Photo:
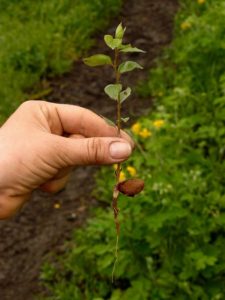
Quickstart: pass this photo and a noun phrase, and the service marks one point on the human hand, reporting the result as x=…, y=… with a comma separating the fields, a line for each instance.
x=40, y=144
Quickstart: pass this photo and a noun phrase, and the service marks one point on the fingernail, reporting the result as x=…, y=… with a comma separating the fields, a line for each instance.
x=120, y=150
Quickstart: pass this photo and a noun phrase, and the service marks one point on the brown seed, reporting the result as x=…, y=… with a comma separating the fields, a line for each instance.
x=131, y=187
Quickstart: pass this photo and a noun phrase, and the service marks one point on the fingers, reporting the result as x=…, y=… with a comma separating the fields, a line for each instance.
x=55, y=185
x=63, y=118
x=9, y=205
x=78, y=120
x=91, y=151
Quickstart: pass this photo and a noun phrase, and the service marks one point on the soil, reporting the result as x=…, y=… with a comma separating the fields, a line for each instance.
x=41, y=228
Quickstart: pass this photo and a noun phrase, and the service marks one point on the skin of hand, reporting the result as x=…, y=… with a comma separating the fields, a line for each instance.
x=40, y=144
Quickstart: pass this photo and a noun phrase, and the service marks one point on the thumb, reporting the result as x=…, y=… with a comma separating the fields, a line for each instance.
x=93, y=151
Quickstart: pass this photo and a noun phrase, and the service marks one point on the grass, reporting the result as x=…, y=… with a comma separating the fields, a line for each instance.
x=43, y=38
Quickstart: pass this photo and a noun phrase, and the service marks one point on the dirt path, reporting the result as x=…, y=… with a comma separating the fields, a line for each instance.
x=40, y=228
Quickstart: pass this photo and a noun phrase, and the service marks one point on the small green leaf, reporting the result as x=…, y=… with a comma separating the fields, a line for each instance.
x=129, y=48
x=98, y=60
x=125, y=120
x=120, y=32
x=109, y=122
x=125, y=94
x=113, y=90
x=129, y=66
x=108, y=40
x=111, y=42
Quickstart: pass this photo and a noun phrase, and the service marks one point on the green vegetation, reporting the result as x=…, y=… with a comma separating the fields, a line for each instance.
x=173, y=235
x=44, y=38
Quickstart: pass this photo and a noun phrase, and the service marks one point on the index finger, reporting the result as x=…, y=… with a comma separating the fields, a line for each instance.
x=79, y=120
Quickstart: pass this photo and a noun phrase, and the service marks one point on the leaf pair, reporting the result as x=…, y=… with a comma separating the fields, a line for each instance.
x=102, y=59
x=112, y=42
x=114, y=91
x=117, y=41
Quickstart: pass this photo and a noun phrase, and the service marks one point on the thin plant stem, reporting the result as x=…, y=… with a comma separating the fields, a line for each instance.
x=118, y=168
x=116, y=257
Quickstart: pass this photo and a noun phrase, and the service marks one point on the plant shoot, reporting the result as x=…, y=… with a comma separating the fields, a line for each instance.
x=117, y=92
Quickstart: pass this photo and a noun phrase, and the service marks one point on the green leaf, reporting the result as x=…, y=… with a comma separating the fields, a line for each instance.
x=125, y=94
x=129, y=48
x=108, y=40
x=129, y=66
x=109, y=122
x=98, y=60
x=125, y=120
x=111, y=42
x=113, y=90
x=120, y=32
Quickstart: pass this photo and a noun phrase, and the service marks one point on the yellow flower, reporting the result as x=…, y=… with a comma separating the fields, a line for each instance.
x=160, y=94
x=136, y=128
x=57, y=205
x=185, y=25
x=122, y=176
x=132, y=171
x=145, y=133
x=115, y=167
x=158, y=123
x=201, y=1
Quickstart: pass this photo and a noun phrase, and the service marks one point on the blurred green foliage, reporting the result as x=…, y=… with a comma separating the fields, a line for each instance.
x=39, y=38
x=173, y=235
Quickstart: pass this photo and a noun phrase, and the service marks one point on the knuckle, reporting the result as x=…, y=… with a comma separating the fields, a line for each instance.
x=95, y=151
x=31, y=103
x=28, y=103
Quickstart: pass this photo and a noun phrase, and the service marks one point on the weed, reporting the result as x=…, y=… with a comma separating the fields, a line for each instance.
x=130, y=187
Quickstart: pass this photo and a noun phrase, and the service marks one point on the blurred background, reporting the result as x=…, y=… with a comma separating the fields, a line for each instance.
x=172, y=240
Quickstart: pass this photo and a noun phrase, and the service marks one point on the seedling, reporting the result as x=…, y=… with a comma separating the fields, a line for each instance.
x=119, y=94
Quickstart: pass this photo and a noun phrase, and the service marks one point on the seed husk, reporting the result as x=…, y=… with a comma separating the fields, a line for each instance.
x=131, y=187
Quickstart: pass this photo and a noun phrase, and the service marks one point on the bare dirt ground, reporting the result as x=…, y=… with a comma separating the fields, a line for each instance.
x=27, y=239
